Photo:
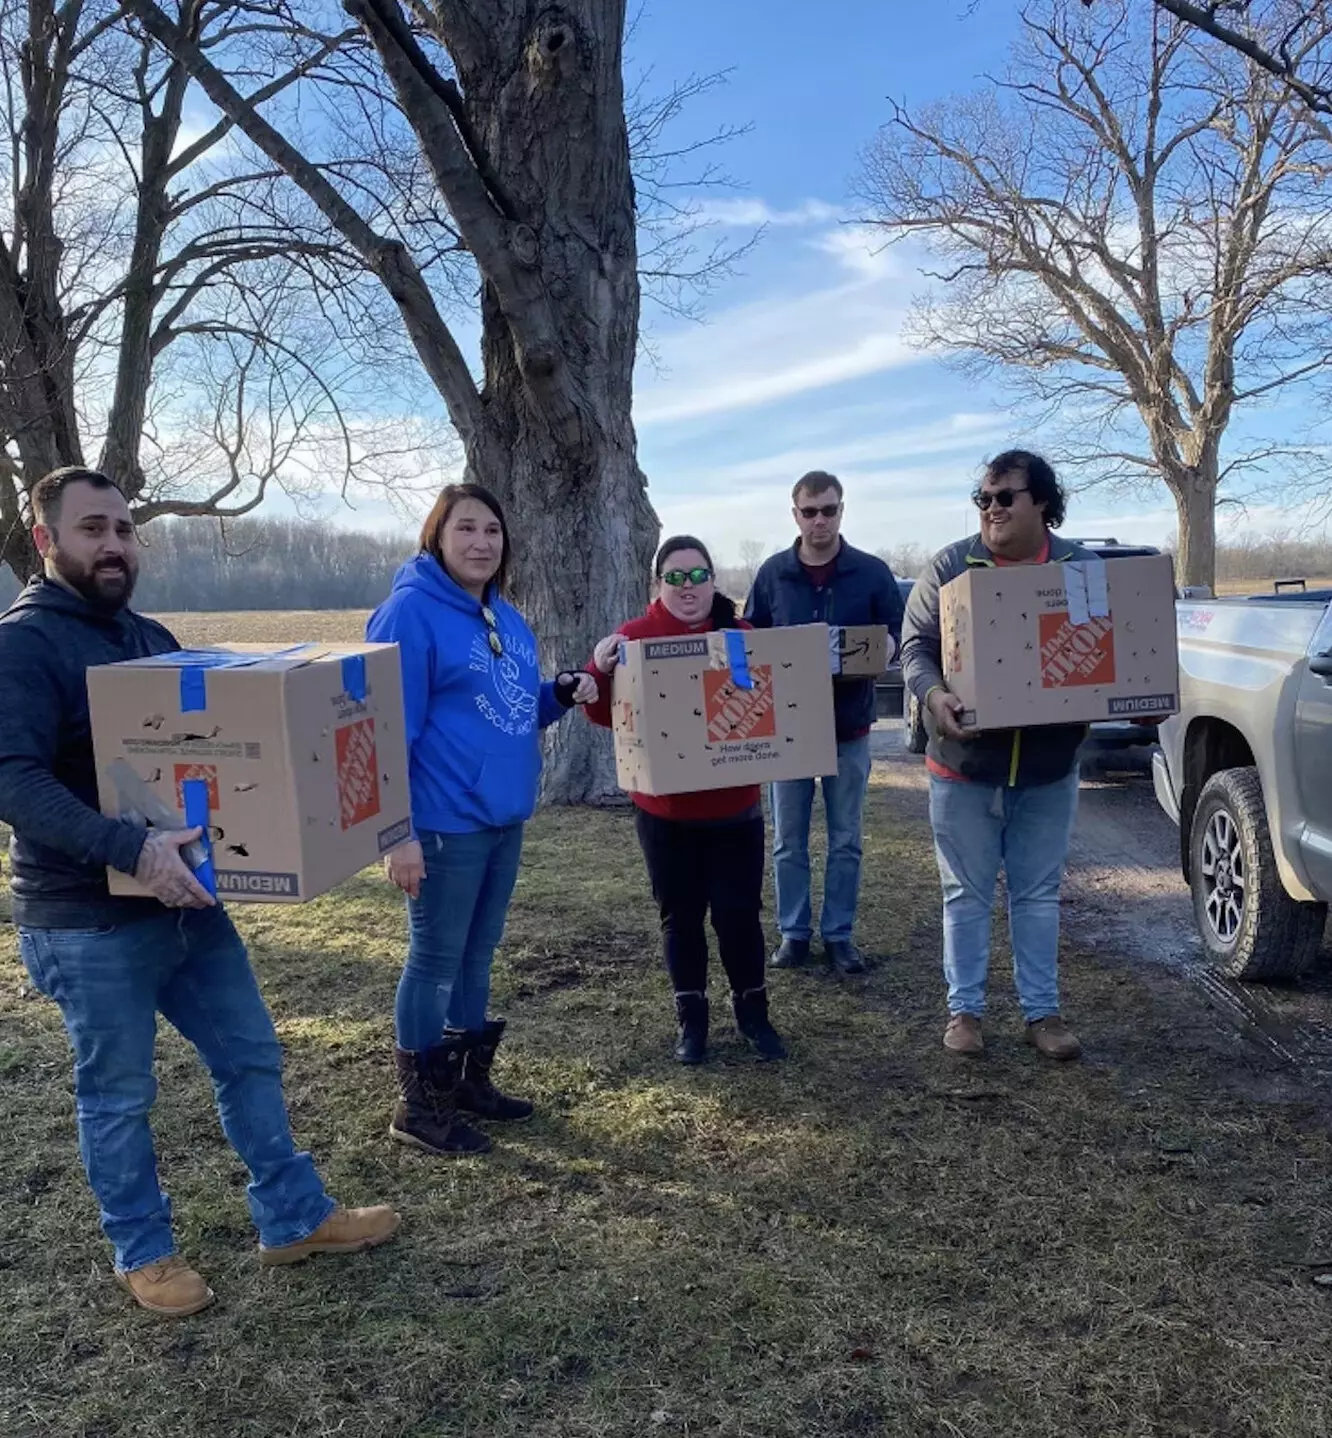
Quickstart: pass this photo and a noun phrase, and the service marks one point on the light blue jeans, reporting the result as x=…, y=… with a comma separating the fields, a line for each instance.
x=977, y=831
x=190, y=966
x=455, y=926
x=792, y=812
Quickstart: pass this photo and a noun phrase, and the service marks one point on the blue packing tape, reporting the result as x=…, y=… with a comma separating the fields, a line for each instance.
x=353, y=676
x=193, y=695
x=738, y=659
x=197, y=816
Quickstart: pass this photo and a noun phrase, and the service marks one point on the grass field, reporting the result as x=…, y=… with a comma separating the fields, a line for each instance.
x=867, y=1240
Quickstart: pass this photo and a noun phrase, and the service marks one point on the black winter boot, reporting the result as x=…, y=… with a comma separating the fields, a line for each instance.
x=476, y=1093
x=751, y=1018
x=692, y=1011
x=427, y=1113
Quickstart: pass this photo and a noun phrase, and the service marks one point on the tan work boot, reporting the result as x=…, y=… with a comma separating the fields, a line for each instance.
x=171, y=1288
x=345, y=1230
x=963, y=1035
x=1053, y=1038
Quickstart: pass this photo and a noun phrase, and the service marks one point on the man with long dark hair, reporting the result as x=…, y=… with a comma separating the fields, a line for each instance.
x=1005, y=798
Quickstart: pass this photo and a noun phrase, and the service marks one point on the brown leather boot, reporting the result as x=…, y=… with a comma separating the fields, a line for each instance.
x=171, y=1288
x=345, y=1230
x=963, y=1035
x=427, y=1113
x=476, y=1093
x=1053, y=1038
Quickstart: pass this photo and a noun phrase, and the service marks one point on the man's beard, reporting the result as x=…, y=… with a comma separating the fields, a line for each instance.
x=106, y=587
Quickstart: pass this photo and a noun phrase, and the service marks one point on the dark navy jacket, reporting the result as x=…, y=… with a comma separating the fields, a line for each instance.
x=61, y=845
x=861, y=590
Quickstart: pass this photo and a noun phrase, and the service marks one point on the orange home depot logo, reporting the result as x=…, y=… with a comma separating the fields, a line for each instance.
x=358, y=772
x=206, y=772
x=1073, y=654
x=734, y=714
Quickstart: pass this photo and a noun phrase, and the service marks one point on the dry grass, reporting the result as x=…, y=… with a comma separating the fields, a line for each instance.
x=867, y=1240
x=1228, y=587
x=267, y=626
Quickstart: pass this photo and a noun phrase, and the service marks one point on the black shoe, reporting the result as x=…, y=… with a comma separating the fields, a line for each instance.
x=844, y=956
x=751, y=1018
x=427, y=1113
x=476, y=1093
x=793, y=954
x=692, y=1011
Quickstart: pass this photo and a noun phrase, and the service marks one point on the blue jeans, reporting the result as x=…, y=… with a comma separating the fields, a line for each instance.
x=455, y=926
x=792, y=810
x=190, y=966
x=978, y=830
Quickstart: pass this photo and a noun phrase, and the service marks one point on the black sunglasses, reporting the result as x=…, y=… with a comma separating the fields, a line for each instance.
x=676, y=577
x=812, y=511
x=1002, y=497
x=492, y=631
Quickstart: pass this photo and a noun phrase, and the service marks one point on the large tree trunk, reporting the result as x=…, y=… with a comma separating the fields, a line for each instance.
x=548, y=109
x=1195, y=502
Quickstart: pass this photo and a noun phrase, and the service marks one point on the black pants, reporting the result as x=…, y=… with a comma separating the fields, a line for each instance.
x=697, y=867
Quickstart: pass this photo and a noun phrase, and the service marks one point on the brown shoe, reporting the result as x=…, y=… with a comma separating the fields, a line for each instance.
x=1053, y=1038
x=345, y=1230
x=171, y=1288
x=963, y=1035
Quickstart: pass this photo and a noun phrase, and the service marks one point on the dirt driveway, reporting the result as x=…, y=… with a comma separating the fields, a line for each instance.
x=1127, y=901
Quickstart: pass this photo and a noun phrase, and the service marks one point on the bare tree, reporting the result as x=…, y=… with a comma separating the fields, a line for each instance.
x=155, y=298
x=1290, y=39
x=752, y=553
x=1133, y=225
x=519, y=113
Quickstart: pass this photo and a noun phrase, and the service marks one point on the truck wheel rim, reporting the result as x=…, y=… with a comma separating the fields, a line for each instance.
x=1223, y=876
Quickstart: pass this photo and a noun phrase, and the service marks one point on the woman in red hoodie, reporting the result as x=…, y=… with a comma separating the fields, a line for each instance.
x=704, y=851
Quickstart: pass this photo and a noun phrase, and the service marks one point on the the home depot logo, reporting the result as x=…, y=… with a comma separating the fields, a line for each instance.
x=624, y=716
x=358, y=772
x=206, y=772
x=1075, y=654
x=734, y=714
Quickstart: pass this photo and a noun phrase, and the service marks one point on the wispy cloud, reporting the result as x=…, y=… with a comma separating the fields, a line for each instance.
x=747, y=214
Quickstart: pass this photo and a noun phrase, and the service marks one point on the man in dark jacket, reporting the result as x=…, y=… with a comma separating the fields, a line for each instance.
x=821, y=579
x=1002, y=798
x=113, y=964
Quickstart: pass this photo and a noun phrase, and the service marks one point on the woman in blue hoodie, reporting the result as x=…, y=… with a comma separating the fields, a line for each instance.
x=475, y=706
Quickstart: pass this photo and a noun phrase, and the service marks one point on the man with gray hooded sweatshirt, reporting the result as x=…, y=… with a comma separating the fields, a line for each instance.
x=1001, y=799
x=113, y=964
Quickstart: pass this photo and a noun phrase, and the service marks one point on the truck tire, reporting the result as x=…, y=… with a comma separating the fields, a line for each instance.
x=917, y=739
x=1250, y=927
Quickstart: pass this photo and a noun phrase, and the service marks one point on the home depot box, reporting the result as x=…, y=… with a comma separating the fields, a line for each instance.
x=717, y=710
x=298, y=757
x=860, y=651
x=1071, y=643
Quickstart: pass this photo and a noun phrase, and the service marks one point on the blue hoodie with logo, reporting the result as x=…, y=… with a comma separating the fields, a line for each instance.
x=473, y=717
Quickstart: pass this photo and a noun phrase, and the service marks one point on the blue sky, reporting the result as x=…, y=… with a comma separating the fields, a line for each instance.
x=800, y=362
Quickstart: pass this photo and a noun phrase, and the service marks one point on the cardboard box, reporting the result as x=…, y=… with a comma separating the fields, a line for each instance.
x=717, y=710
x=294, y=761
x=860, y=651
x=1072, y=643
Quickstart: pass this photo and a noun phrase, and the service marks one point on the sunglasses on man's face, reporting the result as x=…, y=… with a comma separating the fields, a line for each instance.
x=812, y=511
x=492, y=631
x=676, y=577
x=1004, y=498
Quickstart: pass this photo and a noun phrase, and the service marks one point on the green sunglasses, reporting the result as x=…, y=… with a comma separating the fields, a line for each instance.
x=676, y=577
x=492, y=631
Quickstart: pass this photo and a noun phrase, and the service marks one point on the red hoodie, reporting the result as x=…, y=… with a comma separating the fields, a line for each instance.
x=660, y=623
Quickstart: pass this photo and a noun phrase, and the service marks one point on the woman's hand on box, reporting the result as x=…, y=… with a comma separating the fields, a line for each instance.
x=405, y=867
x=607, y=654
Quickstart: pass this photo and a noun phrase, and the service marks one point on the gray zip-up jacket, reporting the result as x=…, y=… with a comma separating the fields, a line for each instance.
x=1014, y=758
x=62, y=845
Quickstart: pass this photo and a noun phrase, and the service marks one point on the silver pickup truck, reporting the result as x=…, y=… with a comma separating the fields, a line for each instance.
x=1245, y=770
